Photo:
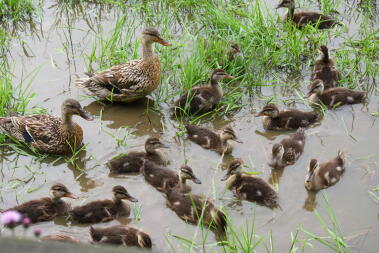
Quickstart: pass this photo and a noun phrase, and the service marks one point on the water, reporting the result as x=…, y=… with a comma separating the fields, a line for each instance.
x=58, y=52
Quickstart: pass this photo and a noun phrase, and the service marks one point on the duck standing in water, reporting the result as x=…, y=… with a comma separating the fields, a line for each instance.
x=202, y=99
x=129, y=81
x=324, y=69
x=288, y=119
x=46, y=133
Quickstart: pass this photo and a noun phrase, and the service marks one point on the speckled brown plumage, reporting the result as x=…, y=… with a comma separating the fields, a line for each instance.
x=48, y=133
x=121, y=235
x=324, y=69
x=129, y=81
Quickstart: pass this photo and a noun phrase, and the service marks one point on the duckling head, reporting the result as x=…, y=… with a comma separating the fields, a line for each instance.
x=72, y=107
x=270, y=110
x=229, y=134
x=317, y=87
x=186, y=173
x=323, y=53
x=286, y=4
x=119, y=193
x=151, y=35
x=234, y=51
x=234, y=167
x=58, y=191
x=219, y=74
x=152, y=144
x=312, y=168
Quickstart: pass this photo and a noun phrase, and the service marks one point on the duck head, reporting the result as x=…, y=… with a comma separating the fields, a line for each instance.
x=219, y=74
x=270, y=110
x=323, y=53
x=234, y=167
x=152, y=144
x=72, y=107
x=58, y=191
x=229, y=134
x=312, y=168
x=186, y=173
x=119, y=193
x=234, y=51
x=151, y=35
x=317, y=87
x=286, y=4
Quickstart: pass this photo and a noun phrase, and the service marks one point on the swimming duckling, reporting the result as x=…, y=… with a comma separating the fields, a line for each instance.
x=334, y=97
x=163, y=179
x=46, y=209
x=202, y=99
x=288, y=150
x=59, y=238
x=288, y=119
x=133, y=161
x=121, y=235
x=249, y=187
x=324, y=175
x=189, y=207
x=208, y=139
x=302, y=18
x=104, y=210
x=324, y=69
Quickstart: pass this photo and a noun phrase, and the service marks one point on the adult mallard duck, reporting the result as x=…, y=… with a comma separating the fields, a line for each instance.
x=46, y=209
x=133, y=161
x=206, y=138
x=334, y=97
x=249, y=187
x=129, y=81
x=302, y=18
x=324, y=69
x=202, y=99
x=104, y=210
x=324, y=175
x=48, y=133
x=121, y=235
x=288, y=119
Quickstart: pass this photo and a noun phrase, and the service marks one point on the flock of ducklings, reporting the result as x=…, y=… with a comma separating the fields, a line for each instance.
x=135, y=79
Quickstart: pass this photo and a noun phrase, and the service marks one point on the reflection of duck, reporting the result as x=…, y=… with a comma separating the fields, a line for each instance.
x=310, y=203
x=129, y=81
x=59, y=238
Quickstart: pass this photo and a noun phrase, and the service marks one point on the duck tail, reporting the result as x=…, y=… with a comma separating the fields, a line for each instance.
x=220, y=220
x=94, y=234
x=341, y=157
x=82, y=82
x=325, y=51
x=144, y=240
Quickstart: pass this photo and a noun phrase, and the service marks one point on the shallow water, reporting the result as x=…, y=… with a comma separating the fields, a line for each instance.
x=58, y=53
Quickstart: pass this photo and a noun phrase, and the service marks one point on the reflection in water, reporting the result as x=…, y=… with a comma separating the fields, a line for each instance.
x=78, y=165
x=310, y=203
x=276, y=174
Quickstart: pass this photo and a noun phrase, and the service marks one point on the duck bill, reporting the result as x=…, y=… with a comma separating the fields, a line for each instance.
x=238, y=140
x=85, y=115
x=259, y=114
x=196, y=180
x=307, y=96
x=164, y=43
x=228, y=77
x=70, y=195
x=131, y=199
x=164, y=145
x=225, y=177
x=279, y=5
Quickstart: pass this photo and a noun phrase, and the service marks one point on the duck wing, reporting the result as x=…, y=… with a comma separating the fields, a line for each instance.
x=38, y=210
x=93, y=212
x=204, y=137
x=308, y=17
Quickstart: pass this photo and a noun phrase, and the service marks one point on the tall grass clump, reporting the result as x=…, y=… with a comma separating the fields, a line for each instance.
x=14, y=11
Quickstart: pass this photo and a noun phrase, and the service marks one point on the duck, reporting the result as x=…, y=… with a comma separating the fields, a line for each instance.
x=334, y=97
x=120, y=235
x=249, y=187
x=234, y=51
x=133, y=161
x=208, y=139
x=202, y=99
x=59, y=238
x=302, y=18
x=129, y=81
x=47, y=133
x=191, y=207
x=104, y=210
x=288, y=119
x=162, y=179
x=324, y=175
x=288, y=151
x=324, y=69
x=48, y=208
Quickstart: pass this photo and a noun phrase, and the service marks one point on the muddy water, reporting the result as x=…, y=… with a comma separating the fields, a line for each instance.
x=58, y=53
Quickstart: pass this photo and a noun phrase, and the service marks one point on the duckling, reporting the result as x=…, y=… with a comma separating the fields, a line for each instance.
x=249, y=187
x=234, y=51
x=324, y=175
x=129, y=81
x=208, y=139
x=202, y=99
x=121, y=235
x=133, y=161
x=46, y=209
x=288, y=150
x=59, y=238
x=104, y=210
x=288, y=119
x=334, y=97
x=48, y=133
x=189, y=207
x=324, y=69
x=162, y=179
x=302, y=18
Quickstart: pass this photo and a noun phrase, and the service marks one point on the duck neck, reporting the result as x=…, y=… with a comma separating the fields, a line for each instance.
x=67, y=120
x=117, y=201
x=182, y=184
x=147, y=50
x=291, y=11
x=215, y=84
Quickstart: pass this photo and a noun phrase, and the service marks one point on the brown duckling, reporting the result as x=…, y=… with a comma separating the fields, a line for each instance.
x=46, y=209
x=48, y=133
x=121, y=235
x=104, y=210
x=59, y=238
x=324, y=69
x=302, y=18
x=334, y=97
x=163, y=179
x=288, y=150
x=133, y=161
x=129, y=81
x=288, y=119
x=249, y=187
x=207, y=139
x=234, y=51
x=189, y=207
x=202, y=99
x=324, y=175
